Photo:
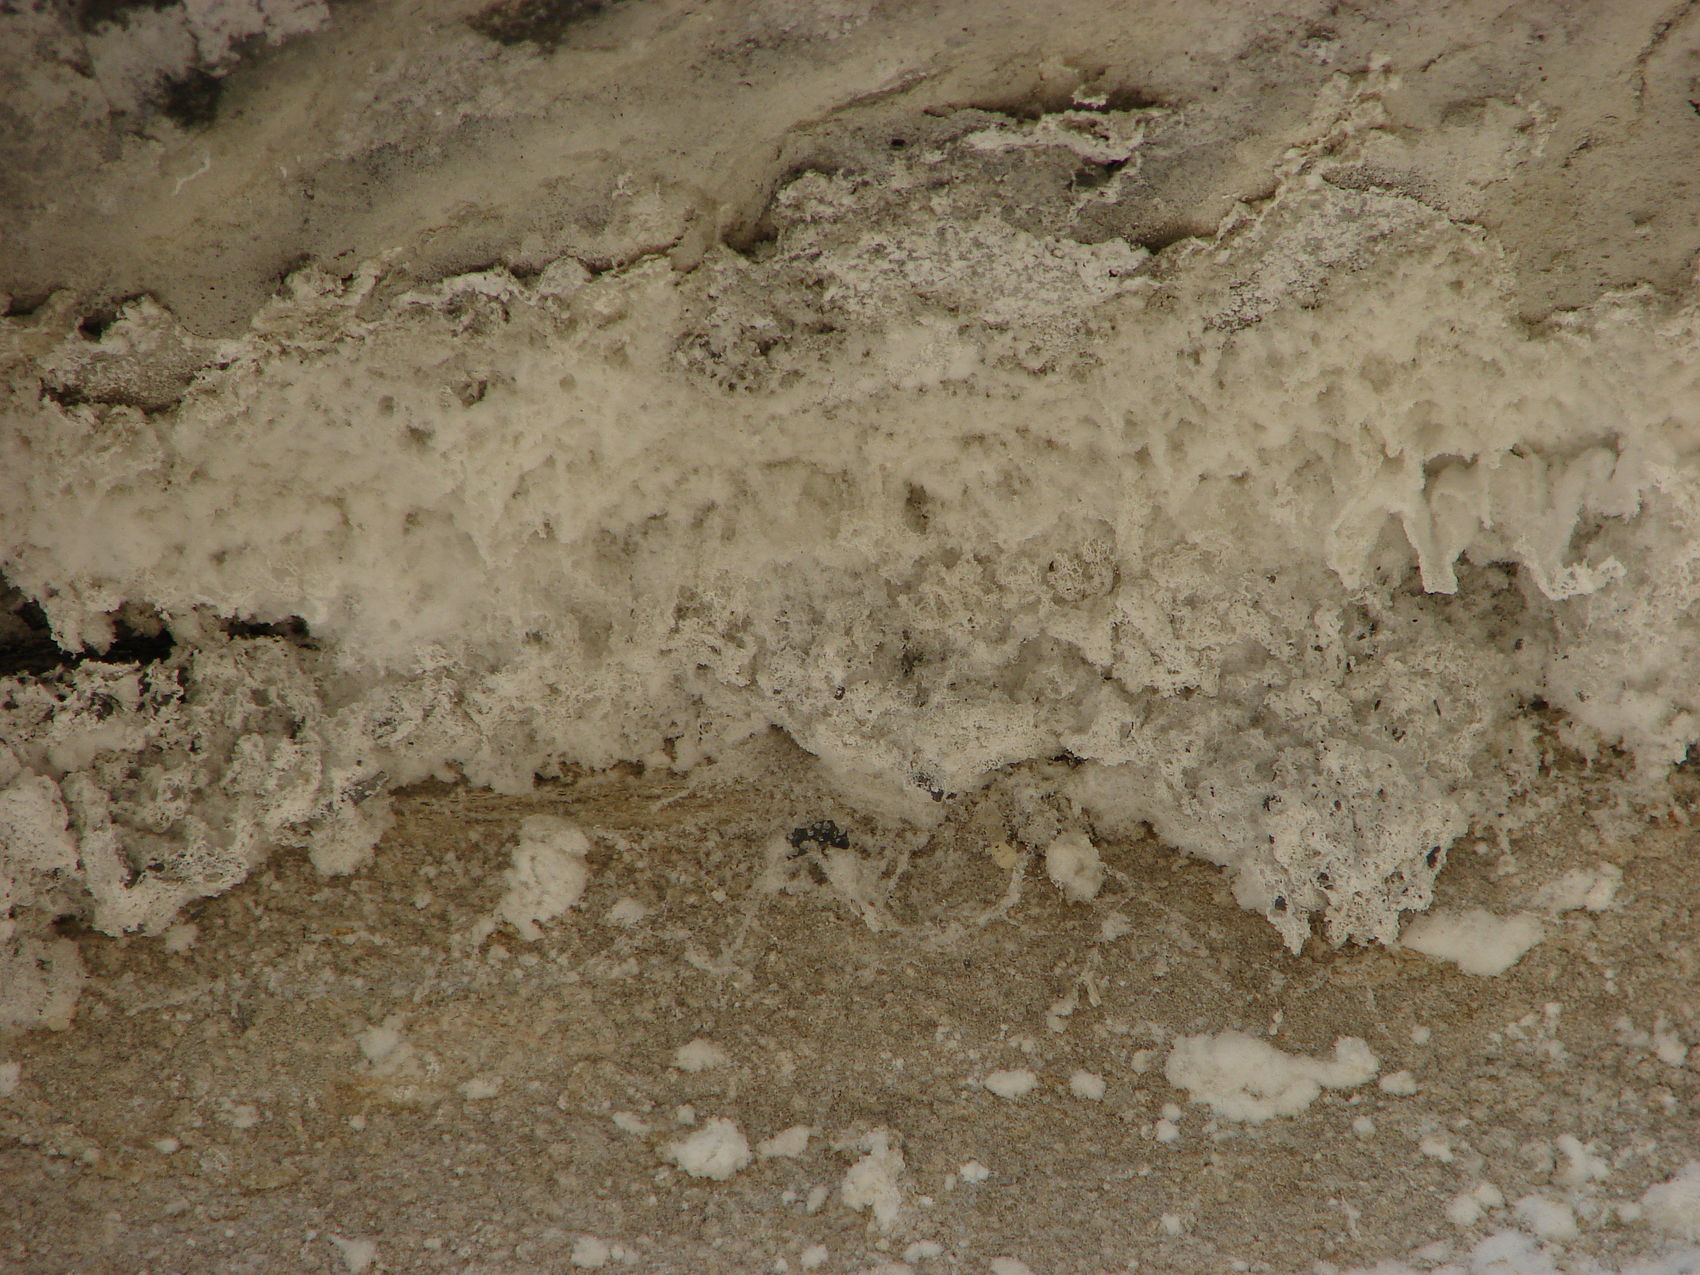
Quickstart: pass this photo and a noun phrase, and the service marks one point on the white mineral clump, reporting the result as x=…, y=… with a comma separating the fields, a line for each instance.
x=717, y=1151
x=1074, y=866
x=1240, y=1077
x=548, y=875
x=1474, y=939
x=874, y=1182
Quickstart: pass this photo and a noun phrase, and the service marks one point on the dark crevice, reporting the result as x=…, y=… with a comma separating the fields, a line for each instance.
x=94, y=14
x=292, y=629
x=94, y=324
x=541, y=22
x=22, y=305
x=1035, y=104
x=27, y=648
x=191, y=98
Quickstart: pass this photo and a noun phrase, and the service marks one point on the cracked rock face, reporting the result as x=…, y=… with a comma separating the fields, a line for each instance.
x=976, y=454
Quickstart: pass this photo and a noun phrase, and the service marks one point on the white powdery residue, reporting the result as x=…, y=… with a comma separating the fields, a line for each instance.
x=874, y=1181
x=1016, y=1082
x=1113, y=927
x=1436, y=1148
x=1243, y=1078
x=1674, y=1204
x=699, y=1055
x=1088, y=1085
x=1582, y=1164
x=1550, y=1219
x=973, y=1171
x=1072, y=863
x=548, y=876
x=1581, y=889
x=630, y=1122
x=788, y=1143
x=923, y=1251
x=356, y=1255
x=590, y=1252
x=1473, y=939
x=1668, y=1047
x=625, y=912
x=1463, y=1210
x=387, y=1050
x=717, y=1150
x=1468, y=1207
x=813, y=1257
x=1399, y=1084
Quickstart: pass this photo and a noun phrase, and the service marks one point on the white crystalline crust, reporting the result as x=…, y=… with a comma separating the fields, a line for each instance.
x=1276, y=533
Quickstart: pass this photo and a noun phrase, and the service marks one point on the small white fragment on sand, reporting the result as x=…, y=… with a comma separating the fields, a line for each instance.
x=1400, y=1084
x=181, y=937
x=1088, y=1085
x=973, y=1171
x=717, y=1150
x=631, y=1122
x=381, y=1042
x=356, y=1255
x=166, y=1146
x=1421, y=1035
x=1009, y=1266
x=11, y=1075
x=816, y=1199
x=1463, y=1210
x=548, y=876
x=1548, y=1218
x=1113, y=927
x=1241, y=1077
x=1171, y=1224
x=813, y=1257
x=1674, y=1204
x=1582, y=889
x=1581, y=1164
x=1473, y=939
x=1072, y=863
x=387, y=1050
x=1436, y=1148
x=241, y=1115
x=625, y=912
x=699, y=1055
x=590, y=1252
x=685, y=1115
x=1166, y=1131
x=788, y=1143
x=923, y=1251
x=1467, y=1207
x=1363, y=1126
x=1668, y=1047
x=1016, y=1082
x=873, y=1182
x=481, y=1087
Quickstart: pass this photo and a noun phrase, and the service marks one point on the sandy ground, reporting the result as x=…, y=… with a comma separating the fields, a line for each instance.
x=228, y=1107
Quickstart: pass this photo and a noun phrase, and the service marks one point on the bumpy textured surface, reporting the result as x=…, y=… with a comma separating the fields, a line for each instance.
x=1278, y=532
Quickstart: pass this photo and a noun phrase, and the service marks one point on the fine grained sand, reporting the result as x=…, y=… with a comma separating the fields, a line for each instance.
x=371, y=1073
x=230, y=1107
